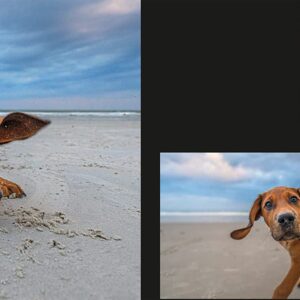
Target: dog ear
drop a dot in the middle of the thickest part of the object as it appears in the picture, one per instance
(19, 126)
(254, 215)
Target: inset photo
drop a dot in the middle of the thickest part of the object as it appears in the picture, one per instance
(229, 225)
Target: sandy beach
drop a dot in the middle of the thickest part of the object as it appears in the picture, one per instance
(77, 233)
(200, 260)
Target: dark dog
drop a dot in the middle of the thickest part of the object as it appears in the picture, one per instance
(17, 126)
(280, 208)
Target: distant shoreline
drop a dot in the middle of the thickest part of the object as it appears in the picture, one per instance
(116, 113)
(203, 213)
(203, 217)
(70, 110)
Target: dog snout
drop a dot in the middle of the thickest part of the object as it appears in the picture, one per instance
(286, 219)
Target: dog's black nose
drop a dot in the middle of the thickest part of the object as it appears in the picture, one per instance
(286, 219)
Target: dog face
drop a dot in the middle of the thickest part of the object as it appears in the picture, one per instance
(280, 208)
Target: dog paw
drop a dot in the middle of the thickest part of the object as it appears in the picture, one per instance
(10, 189)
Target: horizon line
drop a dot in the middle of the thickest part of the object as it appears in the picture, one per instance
(203, 213)
(73, 110)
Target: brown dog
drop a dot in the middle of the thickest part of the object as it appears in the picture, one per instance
(280, 208)
(17, 126)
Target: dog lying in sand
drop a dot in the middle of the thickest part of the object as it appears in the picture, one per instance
(280, 208)
(17, 126)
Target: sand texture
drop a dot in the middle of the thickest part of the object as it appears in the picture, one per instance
(77, 233)
(202, 261)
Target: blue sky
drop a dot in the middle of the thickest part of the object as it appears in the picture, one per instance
(222, 181)
(82, 54)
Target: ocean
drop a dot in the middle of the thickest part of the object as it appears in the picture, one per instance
(63, 113)
(203, 217)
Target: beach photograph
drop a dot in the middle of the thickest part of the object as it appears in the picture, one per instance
(211, 246)
(70, 202)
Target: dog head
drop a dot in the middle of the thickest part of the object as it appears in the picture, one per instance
(280, 208)
(19, 126)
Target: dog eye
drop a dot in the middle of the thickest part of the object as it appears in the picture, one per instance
(268, 204)
(293, 199)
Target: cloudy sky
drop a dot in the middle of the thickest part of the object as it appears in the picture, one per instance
(222, 181)
(69, 54)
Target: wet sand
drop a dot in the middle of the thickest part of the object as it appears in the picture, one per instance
(200, 260)
(88, 169)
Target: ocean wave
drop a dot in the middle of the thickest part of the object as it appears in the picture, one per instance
(203, 217)
(204, 214)
(77, 113)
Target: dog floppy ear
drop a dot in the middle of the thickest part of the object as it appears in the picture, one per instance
(254, 215)
(19, 126)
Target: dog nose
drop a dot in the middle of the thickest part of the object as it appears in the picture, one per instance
(286, 219)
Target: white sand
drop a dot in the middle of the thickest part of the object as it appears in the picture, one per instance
(89, 169)
(201, 261)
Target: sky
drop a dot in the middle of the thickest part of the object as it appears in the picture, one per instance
(67, 54)
(211, 182)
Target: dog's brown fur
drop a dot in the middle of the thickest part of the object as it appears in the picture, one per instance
(17, 126)
(289, 238)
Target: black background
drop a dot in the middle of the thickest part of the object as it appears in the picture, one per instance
(216, 76)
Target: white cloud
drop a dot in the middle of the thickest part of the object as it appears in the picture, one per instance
(109, 7)
(207, 165)
(115, 7)
(102, 18)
